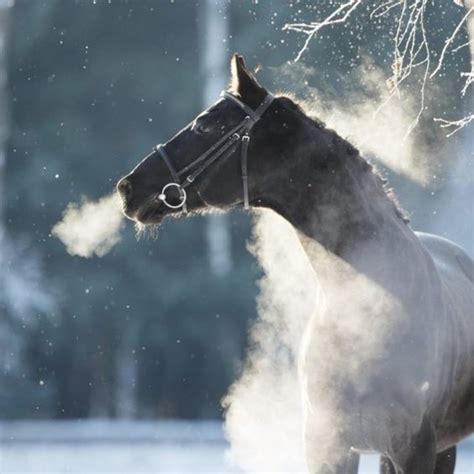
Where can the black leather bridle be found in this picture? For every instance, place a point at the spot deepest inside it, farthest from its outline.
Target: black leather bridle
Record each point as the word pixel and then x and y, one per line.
pixel 223 149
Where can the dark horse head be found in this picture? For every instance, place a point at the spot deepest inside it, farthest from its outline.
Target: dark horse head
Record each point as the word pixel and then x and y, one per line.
pixel 253 149
pixel 233 153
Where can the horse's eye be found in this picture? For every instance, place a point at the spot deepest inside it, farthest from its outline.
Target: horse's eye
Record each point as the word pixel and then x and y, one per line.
pixel 201 128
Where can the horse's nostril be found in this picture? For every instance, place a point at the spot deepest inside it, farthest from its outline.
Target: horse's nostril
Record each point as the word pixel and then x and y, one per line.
pixel 124 187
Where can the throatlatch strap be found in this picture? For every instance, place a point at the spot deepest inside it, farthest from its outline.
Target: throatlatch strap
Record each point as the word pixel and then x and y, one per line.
pixel 243 165
pixel 260 110
pixel 256 115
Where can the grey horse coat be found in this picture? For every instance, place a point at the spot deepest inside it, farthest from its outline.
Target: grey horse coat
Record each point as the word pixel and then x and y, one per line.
pixel 455 416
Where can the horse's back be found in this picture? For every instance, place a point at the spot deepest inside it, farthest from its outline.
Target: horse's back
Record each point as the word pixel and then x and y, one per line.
pixel 449 258
pixel 456 273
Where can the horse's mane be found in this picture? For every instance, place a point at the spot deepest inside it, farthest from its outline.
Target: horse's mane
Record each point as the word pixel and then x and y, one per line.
pixel 353 153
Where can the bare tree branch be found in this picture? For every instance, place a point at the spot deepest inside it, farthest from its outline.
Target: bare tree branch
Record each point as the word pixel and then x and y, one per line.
pixel 312 29
pixel 469 80
pixel 455 125
pixel 467 43
pixel 385 8
pixel 449 42
pixel 411 47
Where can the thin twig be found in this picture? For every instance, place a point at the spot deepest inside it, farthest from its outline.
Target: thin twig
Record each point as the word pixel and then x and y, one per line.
pixel 467 43
pixel 390 5
pixel 456 124
pixel 312 29
pixel 449 41
pixel 469 80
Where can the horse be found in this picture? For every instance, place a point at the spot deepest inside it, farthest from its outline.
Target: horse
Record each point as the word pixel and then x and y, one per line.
pixel 387 360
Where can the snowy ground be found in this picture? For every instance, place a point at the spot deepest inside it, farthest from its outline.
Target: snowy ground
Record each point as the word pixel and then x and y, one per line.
pixel 132 447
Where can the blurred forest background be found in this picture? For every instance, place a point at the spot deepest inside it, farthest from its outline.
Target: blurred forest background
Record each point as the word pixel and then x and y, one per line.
pixel 157 328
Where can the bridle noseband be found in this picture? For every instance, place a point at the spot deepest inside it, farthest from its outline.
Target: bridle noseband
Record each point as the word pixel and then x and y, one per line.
pixel 223 149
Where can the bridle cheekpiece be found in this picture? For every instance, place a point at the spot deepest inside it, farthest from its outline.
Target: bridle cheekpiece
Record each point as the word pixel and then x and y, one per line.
pixel 223 149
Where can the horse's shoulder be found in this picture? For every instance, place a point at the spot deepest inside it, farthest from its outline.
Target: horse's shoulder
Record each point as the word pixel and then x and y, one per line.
pixel 445 252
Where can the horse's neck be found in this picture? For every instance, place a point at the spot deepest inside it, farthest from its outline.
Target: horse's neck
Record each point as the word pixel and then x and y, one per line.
pixel 355 232
pixel 382 265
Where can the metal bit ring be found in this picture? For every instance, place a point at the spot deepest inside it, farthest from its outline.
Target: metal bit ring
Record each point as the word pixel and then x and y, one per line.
pixel 182 194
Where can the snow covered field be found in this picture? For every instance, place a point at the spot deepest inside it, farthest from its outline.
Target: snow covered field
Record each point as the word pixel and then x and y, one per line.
pixel 88 447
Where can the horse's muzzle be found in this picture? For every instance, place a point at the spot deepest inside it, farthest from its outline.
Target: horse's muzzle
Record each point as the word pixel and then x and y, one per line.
pixel 124 188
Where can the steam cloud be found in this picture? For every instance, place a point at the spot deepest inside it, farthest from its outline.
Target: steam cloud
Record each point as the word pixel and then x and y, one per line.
pixel 92 227
pixel 368 119
pixel 264 416
pixel 378 126
pixel 265 410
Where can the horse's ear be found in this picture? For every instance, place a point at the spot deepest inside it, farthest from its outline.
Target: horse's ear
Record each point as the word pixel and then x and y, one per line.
pixel 244 83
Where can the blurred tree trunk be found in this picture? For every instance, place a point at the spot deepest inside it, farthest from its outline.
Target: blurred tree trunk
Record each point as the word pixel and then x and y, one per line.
pixel 127 373
pixel 470 29
pixel 4 125
pixel 104 367
pixel 6 339
pixel 214 56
